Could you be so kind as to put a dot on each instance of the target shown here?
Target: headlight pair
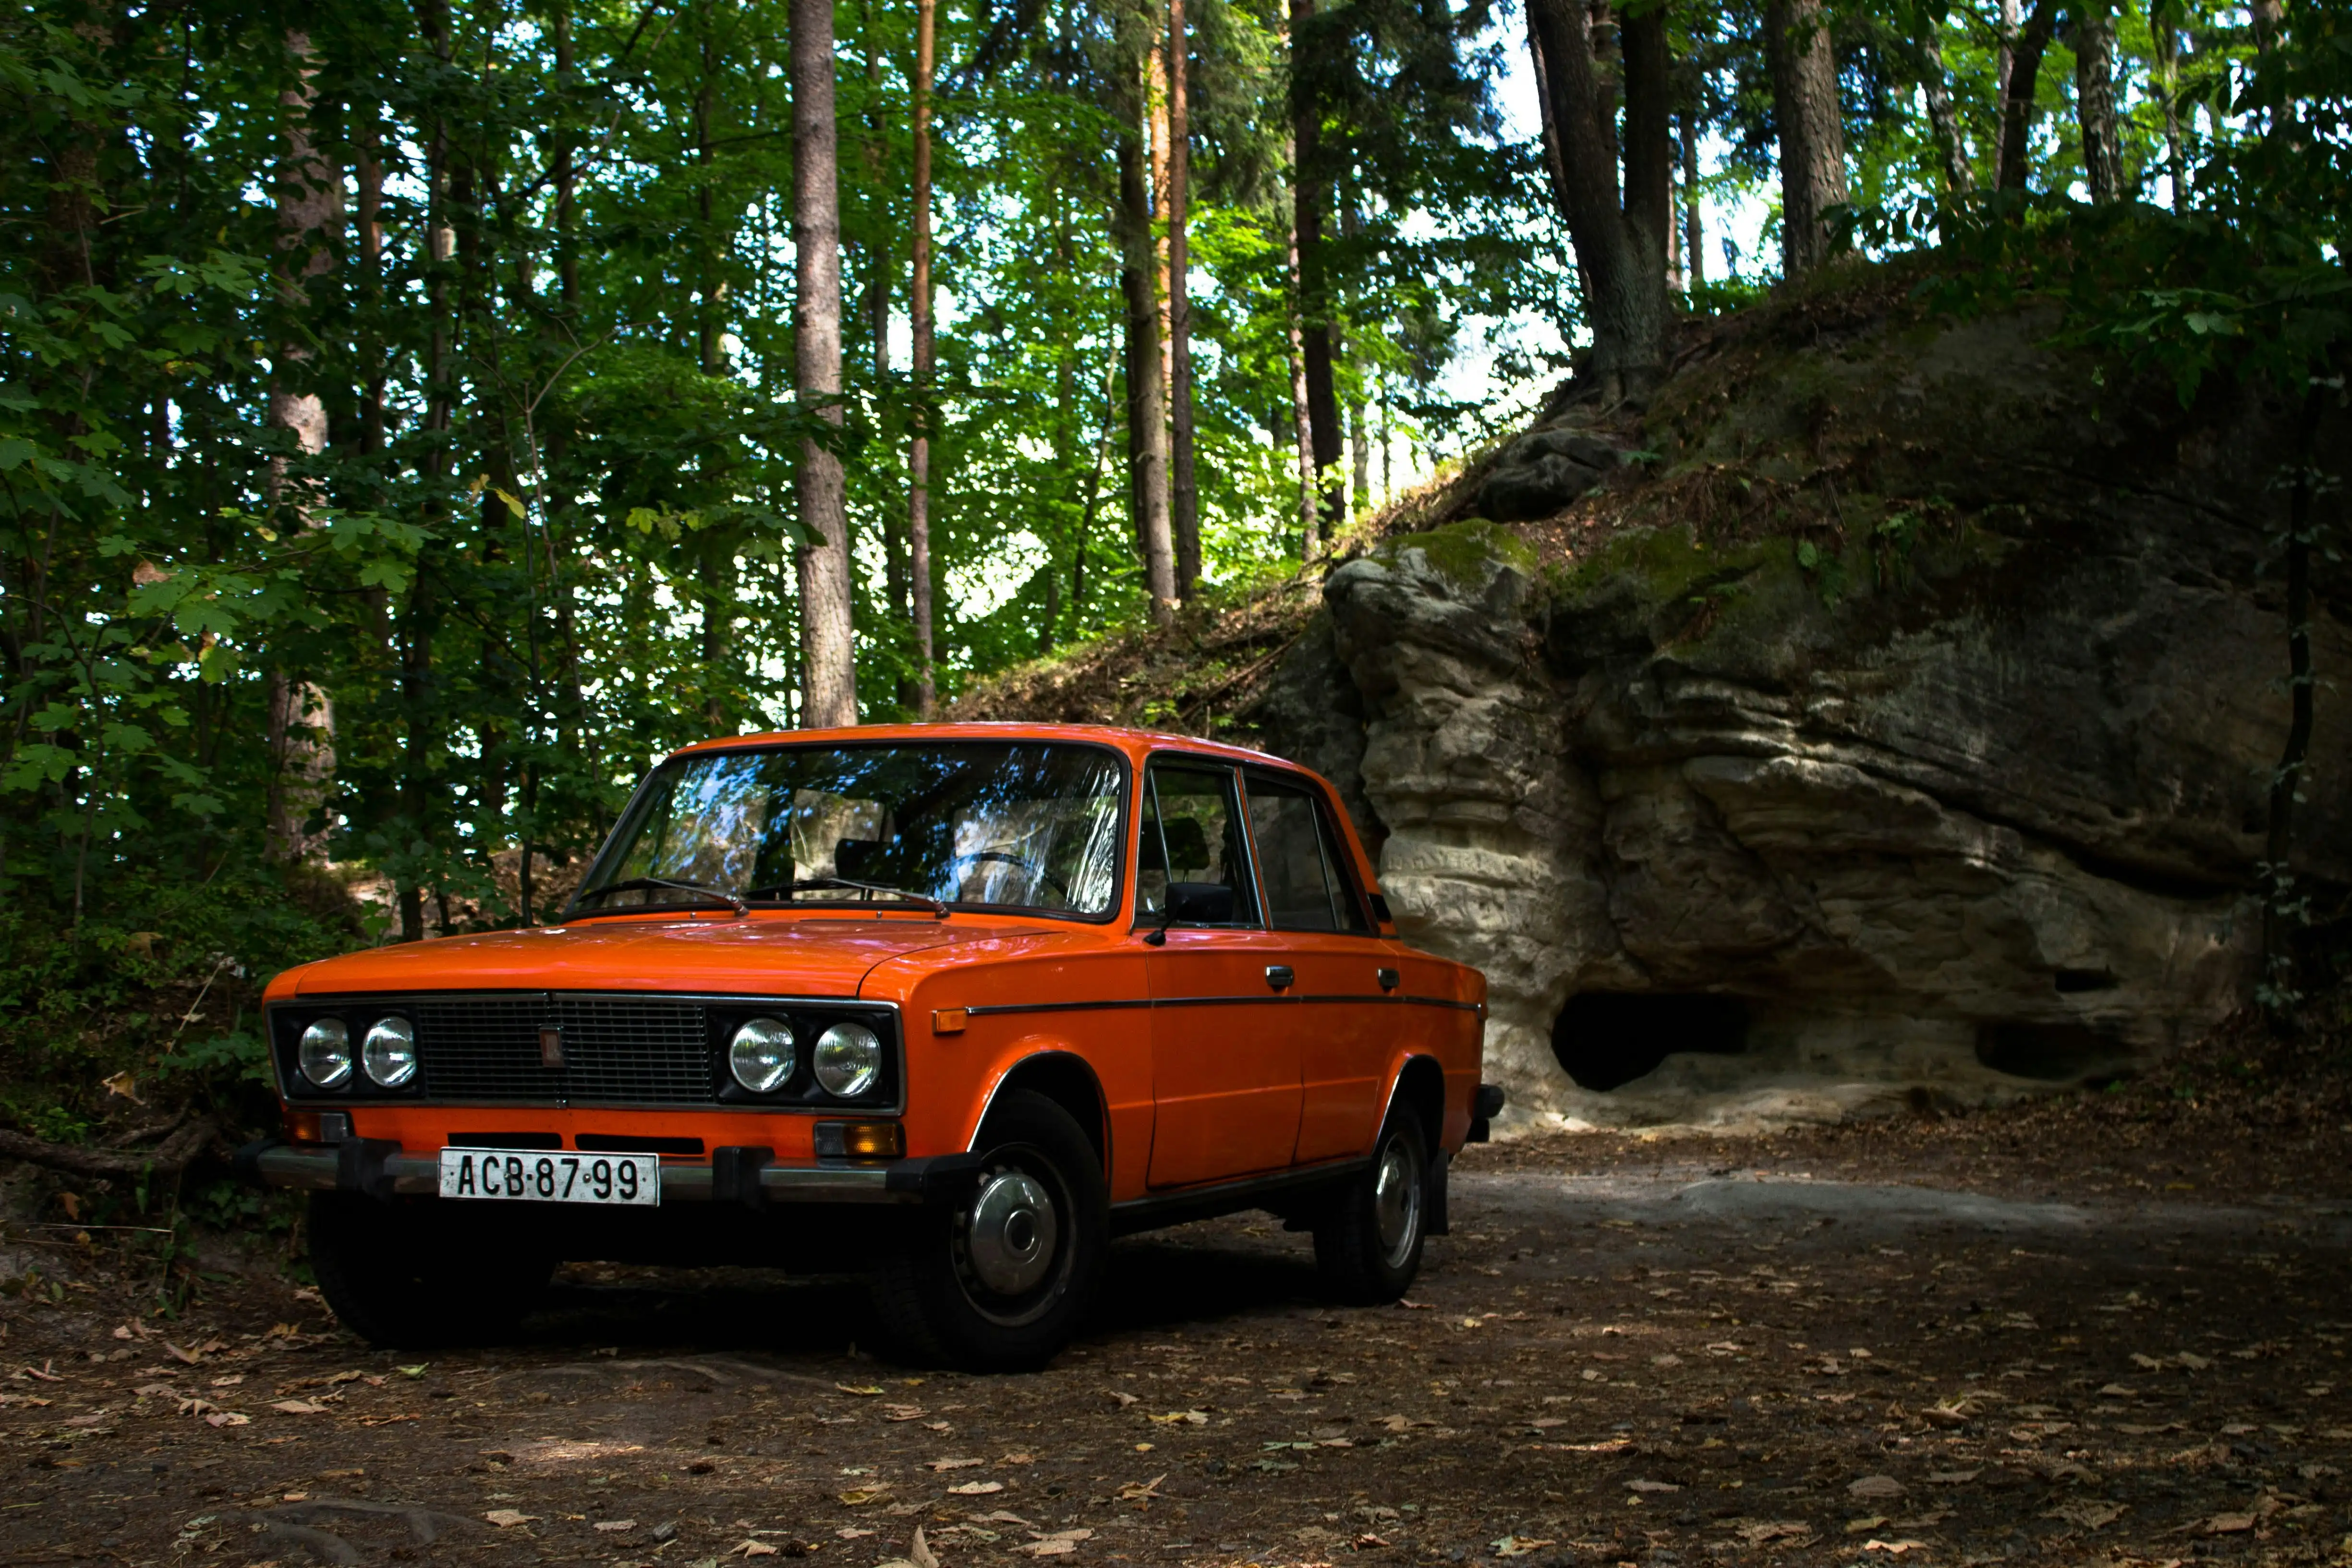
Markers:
(387, 1054)
(846, 1062)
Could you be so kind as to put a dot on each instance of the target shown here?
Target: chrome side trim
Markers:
(1263, 1000)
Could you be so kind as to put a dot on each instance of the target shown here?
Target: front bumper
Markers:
(380, 1170)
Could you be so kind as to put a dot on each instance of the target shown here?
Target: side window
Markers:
(1191, 833)
(1307, 887)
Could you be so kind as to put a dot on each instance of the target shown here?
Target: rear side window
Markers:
(1307, 887)
(1193, 833)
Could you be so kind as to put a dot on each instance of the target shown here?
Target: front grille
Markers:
(617, 1050)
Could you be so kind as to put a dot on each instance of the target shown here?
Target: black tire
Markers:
(998, 1282)
(409, 1275)
(1368, 1244)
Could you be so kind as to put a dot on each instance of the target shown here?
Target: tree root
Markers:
(168, 1158)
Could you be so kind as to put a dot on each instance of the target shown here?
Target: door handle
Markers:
(1278, 975)
(1391, 980)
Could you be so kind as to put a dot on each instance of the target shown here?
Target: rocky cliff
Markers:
(1887, 709)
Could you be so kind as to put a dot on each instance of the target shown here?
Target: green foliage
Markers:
(164, 985)
(414, 532)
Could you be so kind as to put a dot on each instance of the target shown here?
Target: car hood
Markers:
(799, 955)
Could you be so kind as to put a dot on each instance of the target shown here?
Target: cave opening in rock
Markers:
(2054, 1053)
(1605, 1038)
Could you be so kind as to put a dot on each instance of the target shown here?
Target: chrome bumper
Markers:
(364, 1166)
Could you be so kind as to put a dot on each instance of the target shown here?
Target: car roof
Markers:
(1136, 744)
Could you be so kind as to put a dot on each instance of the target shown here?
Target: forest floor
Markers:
(2043, 1334)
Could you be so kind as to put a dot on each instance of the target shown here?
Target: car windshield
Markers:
(1032, 825)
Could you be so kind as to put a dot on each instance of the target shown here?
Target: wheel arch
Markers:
(1419, 1087)
(1066, 1078)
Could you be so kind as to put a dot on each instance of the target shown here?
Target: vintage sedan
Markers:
(953, 1003)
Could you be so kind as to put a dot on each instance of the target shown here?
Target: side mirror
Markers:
(1199, 903)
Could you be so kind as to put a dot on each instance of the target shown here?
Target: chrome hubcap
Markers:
(1012, 1235)
(1396, 1203)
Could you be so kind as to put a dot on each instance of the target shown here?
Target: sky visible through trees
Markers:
(414, 418)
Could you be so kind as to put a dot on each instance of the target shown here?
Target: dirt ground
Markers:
(2052, 1336)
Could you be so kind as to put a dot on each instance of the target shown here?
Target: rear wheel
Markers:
(999, 1282)
(1368, 1244)
(410, 1274)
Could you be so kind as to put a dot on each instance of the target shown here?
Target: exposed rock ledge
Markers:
(1893, 720)
(1953, 817)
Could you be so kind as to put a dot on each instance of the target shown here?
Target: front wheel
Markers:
(1368, 1244)
(999, 1284)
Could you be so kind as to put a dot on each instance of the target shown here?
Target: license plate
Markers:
(632, 1179)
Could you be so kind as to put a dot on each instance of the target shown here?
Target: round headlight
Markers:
(849, 1058)
(761, 1055)
(326, 1054)
(389, 1052)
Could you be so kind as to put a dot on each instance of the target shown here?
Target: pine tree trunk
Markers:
(828, 669)
(2094, 99)
(1934, 83)
(2166, 40)
(1183, 485)
(1694, 210)
(2004, 70)
(309, 203)
(1147, 408)
(1620, 248)
(2016, 104)
(1302, 419)
(918, 454)
(1812, 129)
(1314, 292)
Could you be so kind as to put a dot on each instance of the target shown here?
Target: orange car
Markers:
(954, 1002)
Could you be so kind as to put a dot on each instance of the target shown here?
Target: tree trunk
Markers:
(1147, 412)
(1183, 485)
(2004, 70)
(309, 202)
(1694, 210)
(1813, 131)
(919, 455)
(2095, 100)
(875, 311)
(2016, 104)
(828, 667)
(1619, 247)
(1302, 419)
(2269, 17)
(2166, 40)
(1959, 178)
(1314, 286)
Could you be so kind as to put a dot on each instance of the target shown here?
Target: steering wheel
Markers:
(1025, 864)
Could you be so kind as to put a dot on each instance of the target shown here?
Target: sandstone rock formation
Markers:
(1886, 711)
(1957, 786)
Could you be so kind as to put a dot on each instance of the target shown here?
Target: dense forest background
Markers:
(414, 418)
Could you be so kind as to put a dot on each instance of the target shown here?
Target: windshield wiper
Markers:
(639, 884)
(774, 889)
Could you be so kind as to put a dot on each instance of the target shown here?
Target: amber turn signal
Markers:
(302, 1127)
(860, 1141)
(949, 1020)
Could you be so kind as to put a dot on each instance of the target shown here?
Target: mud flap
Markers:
(1439, 1168)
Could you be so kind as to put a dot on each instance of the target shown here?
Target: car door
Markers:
(1224, 1056)
(1316, 916)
